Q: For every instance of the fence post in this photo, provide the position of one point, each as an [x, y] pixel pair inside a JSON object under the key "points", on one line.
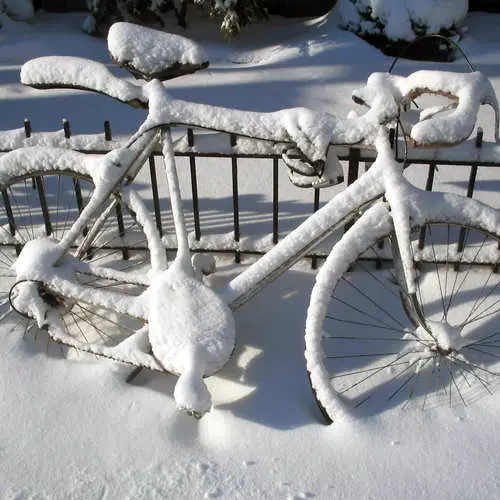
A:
{"points": [[314, 259], [118, 209], [108, 136], [275, 200], [429, 183], [194, 185], [470, 190], [66, 128], [156, 197], [27, 128], [236, 207], [10, 218], [39, 186], [352, 172], [353, 168]]}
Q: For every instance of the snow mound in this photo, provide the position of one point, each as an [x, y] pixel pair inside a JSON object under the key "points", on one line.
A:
{"points": [[402, 19], [18, 10]]}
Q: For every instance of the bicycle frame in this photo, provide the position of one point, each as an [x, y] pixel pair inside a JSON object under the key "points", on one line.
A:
{"points": [[190, 329], [250, 282]]}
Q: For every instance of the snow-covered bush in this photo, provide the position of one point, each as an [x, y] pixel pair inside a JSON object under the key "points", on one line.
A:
{"points": [[18, 10], [231, 14], [392, 23]]}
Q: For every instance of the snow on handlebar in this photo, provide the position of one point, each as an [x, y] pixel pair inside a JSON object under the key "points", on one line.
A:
{"points": [[387, 94]]}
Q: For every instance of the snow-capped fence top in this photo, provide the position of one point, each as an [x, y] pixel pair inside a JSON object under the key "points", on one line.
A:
{"points": [[472, 155]]}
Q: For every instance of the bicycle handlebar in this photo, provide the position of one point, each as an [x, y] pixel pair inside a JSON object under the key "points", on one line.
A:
{"points": [[387, 94], [310, 131]]}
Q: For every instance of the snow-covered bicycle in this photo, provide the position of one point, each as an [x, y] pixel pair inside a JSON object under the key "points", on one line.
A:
{"points": [[405, 306]]}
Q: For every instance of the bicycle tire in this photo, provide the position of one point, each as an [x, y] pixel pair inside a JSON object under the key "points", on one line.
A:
{"points": [[40, 199], [364, 352]]}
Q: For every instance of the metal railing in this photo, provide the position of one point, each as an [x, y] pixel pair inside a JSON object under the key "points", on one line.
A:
{"points": [[198, 147]]}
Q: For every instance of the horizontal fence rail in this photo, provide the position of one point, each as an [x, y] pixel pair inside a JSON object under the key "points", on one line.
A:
{"points": [[197, 147]]}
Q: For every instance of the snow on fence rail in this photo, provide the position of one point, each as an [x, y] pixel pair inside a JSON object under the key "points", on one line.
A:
{"points": [[203, 146]]}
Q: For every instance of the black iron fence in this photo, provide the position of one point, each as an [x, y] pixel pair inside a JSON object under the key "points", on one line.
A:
{"points": [[196, 147]]}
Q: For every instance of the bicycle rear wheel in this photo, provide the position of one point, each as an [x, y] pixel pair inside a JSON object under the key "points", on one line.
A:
{"points": [[365, 349], [42, 203]]}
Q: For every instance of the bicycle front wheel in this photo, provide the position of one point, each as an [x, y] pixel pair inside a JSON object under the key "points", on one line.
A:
{"points": [[42, 198], [368, 350]]}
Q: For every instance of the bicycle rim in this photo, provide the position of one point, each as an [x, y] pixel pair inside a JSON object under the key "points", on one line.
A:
{"points": [[43, 204], [375, 356]]}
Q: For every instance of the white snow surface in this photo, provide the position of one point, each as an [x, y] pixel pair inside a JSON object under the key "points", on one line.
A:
{"points": [[72, 428]]}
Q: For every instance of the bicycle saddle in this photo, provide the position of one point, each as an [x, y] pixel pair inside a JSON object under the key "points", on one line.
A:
{"points": [[151, 54]]}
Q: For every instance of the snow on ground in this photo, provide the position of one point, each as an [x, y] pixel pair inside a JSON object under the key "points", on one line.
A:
{"points": [[74, 429]]}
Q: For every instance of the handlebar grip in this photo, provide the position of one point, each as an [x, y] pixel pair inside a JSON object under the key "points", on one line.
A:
{"points": [[78, 73]]}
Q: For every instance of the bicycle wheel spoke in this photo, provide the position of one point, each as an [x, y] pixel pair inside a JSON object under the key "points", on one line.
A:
{"points": [[438, 276], [378, 322], [469, 270], [107, 319], [482, 351], [367, 370], [481, 298], [484, 314], [373, 302], [384, 367], [371, 339]]}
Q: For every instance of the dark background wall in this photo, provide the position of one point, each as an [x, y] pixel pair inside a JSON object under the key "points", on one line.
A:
{"points": [[287, 8]]}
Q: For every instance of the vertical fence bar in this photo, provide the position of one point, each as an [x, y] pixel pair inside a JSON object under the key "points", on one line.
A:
{"points": [[429, 183], [121, 230], [43, 205], [76, 185], [118, 208], [236, 207], [108, 136], [66, 128], [352, 173], [194, 186], [470, 189], [275, 200], [156, 197], [27, 128], [314, 259], [27, 133], [10, 218], [79, 198], [353, 168], [39, 186]]}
